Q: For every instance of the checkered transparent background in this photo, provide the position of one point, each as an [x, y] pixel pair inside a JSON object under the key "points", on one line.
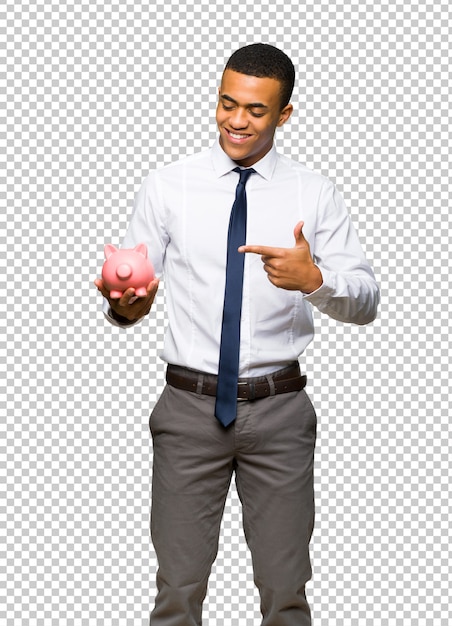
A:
{"points": [[93, 95]]}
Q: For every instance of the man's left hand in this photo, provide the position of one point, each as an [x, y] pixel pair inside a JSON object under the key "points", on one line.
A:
{"points": [[290, 268]]}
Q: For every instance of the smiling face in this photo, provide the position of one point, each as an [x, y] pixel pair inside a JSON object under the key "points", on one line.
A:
{"points": [[248, 113]]}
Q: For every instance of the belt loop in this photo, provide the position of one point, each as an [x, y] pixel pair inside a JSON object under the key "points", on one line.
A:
{"points": [[200, 384], [271, 384]]}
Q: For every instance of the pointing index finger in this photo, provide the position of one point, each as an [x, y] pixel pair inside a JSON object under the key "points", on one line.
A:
{"points": [[267, 251]]}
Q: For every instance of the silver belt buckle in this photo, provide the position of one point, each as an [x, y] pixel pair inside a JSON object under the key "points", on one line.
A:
{"points": [[252, 394], [241, 399]]}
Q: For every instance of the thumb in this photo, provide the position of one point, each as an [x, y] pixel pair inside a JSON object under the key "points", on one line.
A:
{"points": [[298, 234]]}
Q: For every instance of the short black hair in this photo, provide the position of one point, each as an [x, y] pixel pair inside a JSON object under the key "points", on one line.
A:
{"points": [[265, 61]]}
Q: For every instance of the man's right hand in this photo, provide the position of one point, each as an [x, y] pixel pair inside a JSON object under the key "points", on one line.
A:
{"points": [[129, 306]]}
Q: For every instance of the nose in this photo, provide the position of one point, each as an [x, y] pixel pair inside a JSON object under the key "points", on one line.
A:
{"points": [[238, 119]]}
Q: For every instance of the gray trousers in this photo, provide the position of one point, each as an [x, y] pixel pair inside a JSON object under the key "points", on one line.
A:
{"points": [[270, 447]]}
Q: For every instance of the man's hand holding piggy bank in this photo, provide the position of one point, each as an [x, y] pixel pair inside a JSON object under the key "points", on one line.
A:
{"points": [[128, 281]]}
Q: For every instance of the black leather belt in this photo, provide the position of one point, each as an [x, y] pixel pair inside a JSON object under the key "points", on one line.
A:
{"points": [[282, 381]]}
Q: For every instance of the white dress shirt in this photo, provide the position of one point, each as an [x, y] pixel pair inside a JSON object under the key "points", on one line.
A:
{"points": [[182, 214]]}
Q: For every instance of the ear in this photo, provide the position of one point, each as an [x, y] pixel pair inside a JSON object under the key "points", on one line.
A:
{"points": [[141, 248], [109, 250], [285, 114]]}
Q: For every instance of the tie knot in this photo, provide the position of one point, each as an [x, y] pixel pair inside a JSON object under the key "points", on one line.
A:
{"points": [[244, 174]]}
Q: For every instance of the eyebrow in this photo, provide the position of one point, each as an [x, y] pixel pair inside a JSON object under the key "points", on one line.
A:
{"points": [[251, 105]]}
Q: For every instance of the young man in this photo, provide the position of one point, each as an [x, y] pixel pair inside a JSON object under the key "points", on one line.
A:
{"points": [[240, 285]]}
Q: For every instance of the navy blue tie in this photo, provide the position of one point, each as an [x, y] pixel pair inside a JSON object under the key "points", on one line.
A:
{"points": [[228, 369]]}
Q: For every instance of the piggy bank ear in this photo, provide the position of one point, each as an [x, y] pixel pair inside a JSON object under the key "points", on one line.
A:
{"points": [[142, 249], [109, 250]]}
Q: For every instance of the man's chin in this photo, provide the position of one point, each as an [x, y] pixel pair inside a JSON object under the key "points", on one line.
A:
{"points": [[236, 153]]}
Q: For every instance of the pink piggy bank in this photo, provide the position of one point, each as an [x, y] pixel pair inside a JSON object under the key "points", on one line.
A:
{"points": [[126, 268]]}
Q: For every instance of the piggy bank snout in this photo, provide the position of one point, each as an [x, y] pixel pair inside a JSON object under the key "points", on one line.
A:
{"points": [[124, 271], [127, 268]]}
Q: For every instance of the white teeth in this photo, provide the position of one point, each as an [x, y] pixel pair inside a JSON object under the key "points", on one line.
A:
{"points": [[235, 136]]}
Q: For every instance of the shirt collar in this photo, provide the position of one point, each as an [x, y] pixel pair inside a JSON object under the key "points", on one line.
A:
{"points": [[223, 164]]}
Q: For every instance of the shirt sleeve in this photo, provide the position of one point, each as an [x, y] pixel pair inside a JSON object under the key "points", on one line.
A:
{"points": [[349, 292], [148, 224]]}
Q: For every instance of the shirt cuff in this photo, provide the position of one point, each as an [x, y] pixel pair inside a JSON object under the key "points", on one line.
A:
{"points": [[326, 290]]}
